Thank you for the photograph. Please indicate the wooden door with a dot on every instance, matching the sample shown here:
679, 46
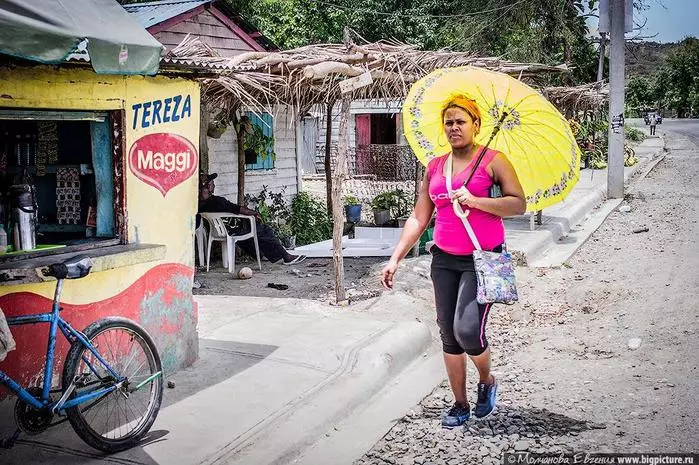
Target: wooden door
362, 142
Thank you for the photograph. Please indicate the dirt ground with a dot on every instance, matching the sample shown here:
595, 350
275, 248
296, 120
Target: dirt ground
598, 356
310, 279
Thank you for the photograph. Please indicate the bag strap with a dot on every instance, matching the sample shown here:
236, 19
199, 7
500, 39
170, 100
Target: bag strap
460, 212
455, 203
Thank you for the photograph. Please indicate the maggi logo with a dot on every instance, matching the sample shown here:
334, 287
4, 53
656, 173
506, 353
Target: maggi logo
163, 160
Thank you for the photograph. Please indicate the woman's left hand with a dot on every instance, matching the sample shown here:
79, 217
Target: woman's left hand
465, 197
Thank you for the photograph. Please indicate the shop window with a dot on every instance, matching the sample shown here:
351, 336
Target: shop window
254, 159
64, 162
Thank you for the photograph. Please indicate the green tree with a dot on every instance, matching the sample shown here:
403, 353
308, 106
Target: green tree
546, 31
659, 88
694, 98
638, 94
293, 23
682, 70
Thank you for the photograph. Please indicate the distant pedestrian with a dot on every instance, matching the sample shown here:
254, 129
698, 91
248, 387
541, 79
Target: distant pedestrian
653, 123
461, 319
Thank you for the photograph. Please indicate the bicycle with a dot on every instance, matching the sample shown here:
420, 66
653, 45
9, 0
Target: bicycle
112, 367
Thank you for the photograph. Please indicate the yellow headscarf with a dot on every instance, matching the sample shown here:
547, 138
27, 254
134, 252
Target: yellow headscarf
466, 104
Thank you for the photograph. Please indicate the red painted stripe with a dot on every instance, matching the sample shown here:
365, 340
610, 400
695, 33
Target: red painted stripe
161, 300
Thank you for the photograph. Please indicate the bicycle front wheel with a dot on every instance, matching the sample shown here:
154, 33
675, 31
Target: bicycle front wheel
118, 420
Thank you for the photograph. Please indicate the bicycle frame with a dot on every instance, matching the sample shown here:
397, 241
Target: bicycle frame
72, 335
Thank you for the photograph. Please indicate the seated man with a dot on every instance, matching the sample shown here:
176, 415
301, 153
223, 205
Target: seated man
270, 246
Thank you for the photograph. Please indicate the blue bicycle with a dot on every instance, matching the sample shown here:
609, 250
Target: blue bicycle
112, 382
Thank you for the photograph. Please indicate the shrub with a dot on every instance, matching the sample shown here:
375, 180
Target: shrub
396, 202
634, 135
272, 206
310, 221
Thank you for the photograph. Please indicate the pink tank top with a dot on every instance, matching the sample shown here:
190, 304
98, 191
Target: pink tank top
449, 232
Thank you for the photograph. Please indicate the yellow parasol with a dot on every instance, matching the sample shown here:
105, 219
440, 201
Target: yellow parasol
523, 125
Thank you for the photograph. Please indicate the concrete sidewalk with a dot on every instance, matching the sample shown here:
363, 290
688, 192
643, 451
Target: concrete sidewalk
273, 376
566, 226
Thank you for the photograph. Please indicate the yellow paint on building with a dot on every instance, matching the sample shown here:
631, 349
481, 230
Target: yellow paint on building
152, 217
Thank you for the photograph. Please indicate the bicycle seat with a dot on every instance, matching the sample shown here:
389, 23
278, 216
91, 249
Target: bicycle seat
73, 268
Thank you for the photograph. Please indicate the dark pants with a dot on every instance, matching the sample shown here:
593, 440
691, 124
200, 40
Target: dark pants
461, 319
270, 247
652, 129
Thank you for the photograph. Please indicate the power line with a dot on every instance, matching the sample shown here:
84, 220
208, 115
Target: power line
484, 27
384, 13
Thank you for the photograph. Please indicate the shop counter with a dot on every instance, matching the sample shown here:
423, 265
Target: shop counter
30, 270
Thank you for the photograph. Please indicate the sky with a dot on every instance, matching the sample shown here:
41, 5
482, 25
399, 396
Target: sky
671, 20
678, 19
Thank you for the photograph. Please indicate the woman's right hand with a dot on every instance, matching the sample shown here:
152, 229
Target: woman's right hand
387, 274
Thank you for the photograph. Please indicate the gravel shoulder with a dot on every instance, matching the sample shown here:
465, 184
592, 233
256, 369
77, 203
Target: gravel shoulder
598, 356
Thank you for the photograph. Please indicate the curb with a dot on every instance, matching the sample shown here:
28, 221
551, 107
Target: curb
369, 368
651, 166
353, 436
551, 233
548, 235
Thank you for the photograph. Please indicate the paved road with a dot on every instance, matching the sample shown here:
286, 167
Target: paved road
686, 127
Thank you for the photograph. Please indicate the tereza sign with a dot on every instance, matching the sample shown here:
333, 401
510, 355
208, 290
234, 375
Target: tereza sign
163, 160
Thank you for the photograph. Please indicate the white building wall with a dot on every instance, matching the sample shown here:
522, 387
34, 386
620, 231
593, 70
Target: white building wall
223, 160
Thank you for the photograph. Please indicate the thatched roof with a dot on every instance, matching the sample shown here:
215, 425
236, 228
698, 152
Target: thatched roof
309, 75
591, 96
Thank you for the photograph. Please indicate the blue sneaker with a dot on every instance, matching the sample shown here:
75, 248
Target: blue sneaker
457, 415
487, 394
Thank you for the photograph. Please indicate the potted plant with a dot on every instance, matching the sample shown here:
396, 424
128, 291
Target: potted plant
218, 126
353, 209
382, 205
402, 208
257, 145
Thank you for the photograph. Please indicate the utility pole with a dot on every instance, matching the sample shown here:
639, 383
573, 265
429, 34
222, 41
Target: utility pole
602, 46
615, 161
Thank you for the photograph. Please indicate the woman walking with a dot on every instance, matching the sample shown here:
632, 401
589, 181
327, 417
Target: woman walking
461, 319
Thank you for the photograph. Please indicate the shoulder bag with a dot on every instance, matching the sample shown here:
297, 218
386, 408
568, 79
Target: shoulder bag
495, 272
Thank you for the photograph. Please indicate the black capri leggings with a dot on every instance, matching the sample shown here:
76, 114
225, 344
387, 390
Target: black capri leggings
460, 317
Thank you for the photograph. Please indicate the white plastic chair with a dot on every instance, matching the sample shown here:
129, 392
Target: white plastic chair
219, 233
200, 239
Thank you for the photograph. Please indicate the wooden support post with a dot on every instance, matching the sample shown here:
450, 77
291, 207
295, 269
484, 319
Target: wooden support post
241, 128
204, 119
535, 219
418, 183
328, 164
338, 216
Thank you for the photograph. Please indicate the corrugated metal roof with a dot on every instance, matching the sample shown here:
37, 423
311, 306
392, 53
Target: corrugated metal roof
193, 63
152, 13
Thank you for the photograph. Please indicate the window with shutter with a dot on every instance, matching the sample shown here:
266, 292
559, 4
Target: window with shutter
256, 161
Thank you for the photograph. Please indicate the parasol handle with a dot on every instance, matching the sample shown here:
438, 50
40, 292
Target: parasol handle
460, 212
496, 129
